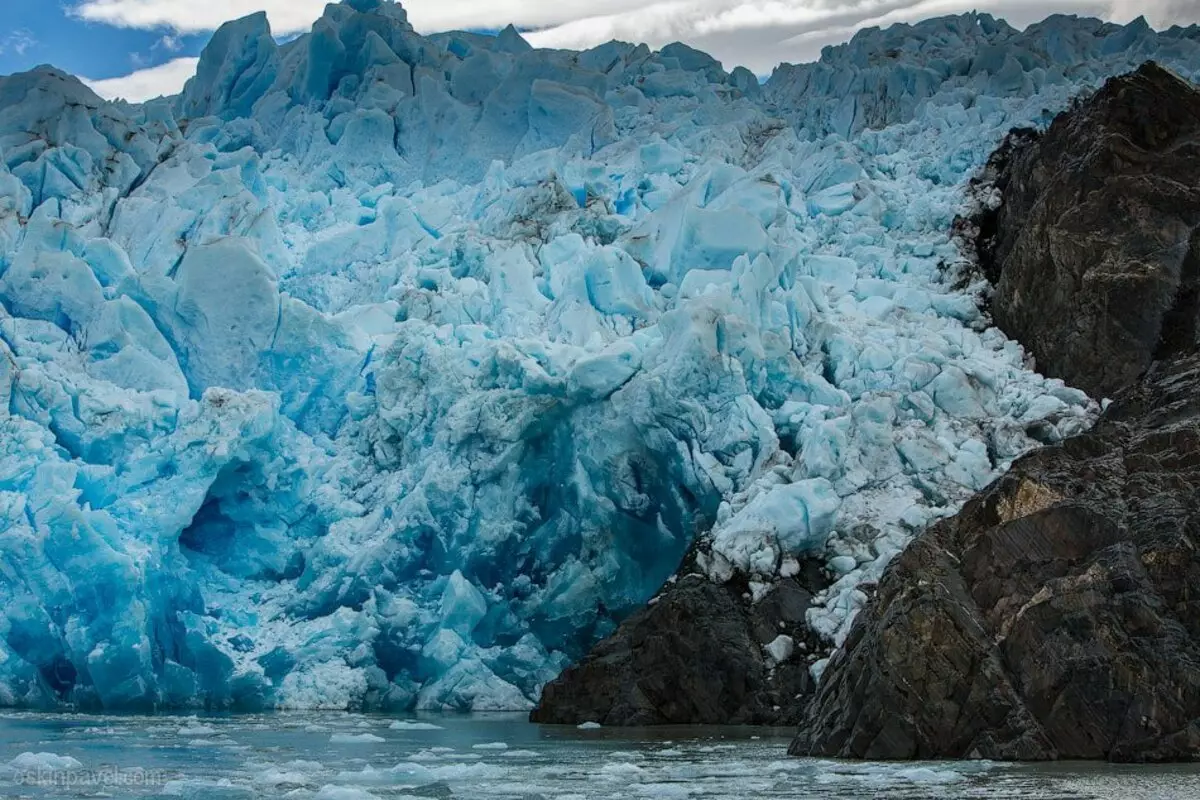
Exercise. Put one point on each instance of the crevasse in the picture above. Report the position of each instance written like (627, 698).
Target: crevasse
(384, 370)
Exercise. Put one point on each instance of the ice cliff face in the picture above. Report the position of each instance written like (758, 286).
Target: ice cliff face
(386, 370)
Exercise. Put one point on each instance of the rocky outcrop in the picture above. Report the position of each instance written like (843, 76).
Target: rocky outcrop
(1094, 248)
(1058, 614)
(700, 652)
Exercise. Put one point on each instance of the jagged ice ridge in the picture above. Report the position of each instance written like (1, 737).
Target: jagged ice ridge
(388, 371)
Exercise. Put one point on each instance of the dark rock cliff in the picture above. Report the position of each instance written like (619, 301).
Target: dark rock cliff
(1095, 247)
(1058, 614)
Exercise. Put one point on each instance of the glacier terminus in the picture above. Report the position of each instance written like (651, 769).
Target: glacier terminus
(381, 371)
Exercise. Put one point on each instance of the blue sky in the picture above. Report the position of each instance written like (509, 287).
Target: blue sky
(43, 31)
(140, 48)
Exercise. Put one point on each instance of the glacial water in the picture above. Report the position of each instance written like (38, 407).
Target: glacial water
(338, 756)
(388, 370)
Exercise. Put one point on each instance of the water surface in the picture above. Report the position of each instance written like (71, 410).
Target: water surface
(335, 756)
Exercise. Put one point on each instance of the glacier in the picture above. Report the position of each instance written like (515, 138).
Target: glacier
(387, 371)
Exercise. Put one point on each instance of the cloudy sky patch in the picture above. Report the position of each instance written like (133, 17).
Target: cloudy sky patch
(166, 35)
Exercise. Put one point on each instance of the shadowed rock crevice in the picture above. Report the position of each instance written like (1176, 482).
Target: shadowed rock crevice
(1179, 325)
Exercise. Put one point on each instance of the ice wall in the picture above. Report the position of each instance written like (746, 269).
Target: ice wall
(888, 76)
(382, 370)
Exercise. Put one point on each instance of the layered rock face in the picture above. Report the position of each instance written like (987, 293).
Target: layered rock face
(1104, 207)
(1057, 615)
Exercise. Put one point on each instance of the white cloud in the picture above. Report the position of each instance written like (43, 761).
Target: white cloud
(754, 33)
(146, 84)
(291, 16)
(760, 34)
(189, 16)
(1159, 13)
(19, 42)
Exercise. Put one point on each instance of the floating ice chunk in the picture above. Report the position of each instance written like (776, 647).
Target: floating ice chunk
(355, 738)
(44, 762)
(410, 725)
(667, 791)
(928, 775)
(276, 777)
(405, 772)
(620, 771)
(223, 789)
(589, 726)
(332, 791)
(467, 773)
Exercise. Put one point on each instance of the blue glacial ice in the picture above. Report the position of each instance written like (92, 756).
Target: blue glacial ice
(386, 371)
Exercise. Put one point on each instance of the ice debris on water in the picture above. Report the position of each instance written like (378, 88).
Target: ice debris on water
(355, 738)
(389, 371)
(43, 762)
(407, 725)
